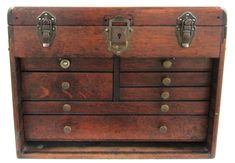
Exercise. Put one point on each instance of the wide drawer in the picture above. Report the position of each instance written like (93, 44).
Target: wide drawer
(157, 64)
(165, 93)
(75, 64)
(165, 79)
(115, 128)
(74, 107)
(67, 86)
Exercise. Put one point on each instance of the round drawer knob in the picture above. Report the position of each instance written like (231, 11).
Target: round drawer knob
(64, 63)
(67, 129)
(167, 64)
(66, 108)
(165, 108)
(165, 95)
(65, 85)
(166, 81)
(163, 129)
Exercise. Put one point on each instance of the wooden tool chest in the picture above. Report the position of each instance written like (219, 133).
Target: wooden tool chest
(116, 82)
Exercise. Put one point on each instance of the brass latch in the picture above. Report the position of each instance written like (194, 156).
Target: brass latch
(118, 34)
(46, 28)
(185, 29)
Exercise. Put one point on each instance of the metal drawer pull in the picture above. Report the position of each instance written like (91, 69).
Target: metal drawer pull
(66, 108)
(167, 64)
(165, 95)
(165, 108)
(65, 85)
(166, 81)
(64, 63)
(163, 129)
(67, 129)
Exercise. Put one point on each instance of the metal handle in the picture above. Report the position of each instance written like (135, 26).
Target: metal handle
(67, 129)
(163, 129)
(65, 63)
(165, 108)
(167, 64)
(65, 85)
(165, 95)
(67, 108)
(166, 81)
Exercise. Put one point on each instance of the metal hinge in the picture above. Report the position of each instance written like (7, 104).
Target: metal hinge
(46, 28)
(118, 34)
(185, 29)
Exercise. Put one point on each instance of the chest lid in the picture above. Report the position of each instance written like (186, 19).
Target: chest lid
(128, 32)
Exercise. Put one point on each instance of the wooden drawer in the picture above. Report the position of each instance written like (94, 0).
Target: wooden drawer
(70, 86)
(113, 128)
(175, 93)
(157, 64)
(76, 64)
(71, 107)
(165, 79)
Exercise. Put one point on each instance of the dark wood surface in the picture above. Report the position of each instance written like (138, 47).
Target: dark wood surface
(91, 41)
(83, 86)
(52, 107)
(98, 112)
(95, 16)
(155, 79)
(112, 128)
(156, 64)
(177, 93)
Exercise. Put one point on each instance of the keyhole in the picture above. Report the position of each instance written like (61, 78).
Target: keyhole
(119, 35)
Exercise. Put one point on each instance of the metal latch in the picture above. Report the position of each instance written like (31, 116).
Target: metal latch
(118, 34)
(185, 29)
(46, 28)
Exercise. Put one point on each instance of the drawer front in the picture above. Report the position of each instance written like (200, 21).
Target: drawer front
(164, 79)
(67, 86)
(115, 128)
(171, 93)
(157, 64)
(75, 64)
(71, 107)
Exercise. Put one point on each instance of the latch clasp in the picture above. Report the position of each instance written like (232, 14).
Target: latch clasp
(185, 29)
(46, 28)
(118, 34)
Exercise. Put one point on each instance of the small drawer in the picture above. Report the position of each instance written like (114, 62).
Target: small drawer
(67, 64)
(165, 64)
(67, 86)
(172, 93)
(165, 79)
(105, 108)
(115, 128)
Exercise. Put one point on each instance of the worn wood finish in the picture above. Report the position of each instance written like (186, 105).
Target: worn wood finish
(155, 79)
(76, 64)
(181, 108)
(112, 128)
(177, 93)
(116, 109)
(83, 86)
(145, 42)
(95, 16)
(156, 64)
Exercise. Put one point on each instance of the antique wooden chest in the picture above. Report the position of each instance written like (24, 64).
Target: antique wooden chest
(116, 82)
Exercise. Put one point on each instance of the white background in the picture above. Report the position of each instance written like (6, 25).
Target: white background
(226, 135)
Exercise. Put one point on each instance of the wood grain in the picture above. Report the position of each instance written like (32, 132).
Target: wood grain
(155, 79)
(156, 64)
(94, 108)
(95, 16)
(110, 128)
(83, 86)
(91, 41)
(177, 93)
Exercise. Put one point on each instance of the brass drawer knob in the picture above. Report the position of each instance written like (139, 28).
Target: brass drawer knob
(163, 129)
(165, 108)
(65, 85)
(166, 81)
(167, 64)
(65, 63)
(66, 108)
(165, 95)
(67, 129)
